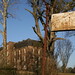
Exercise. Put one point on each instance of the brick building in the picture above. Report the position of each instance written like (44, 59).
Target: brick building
(24, 55)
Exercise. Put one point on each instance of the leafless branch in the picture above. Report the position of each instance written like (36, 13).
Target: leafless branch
(40, 36)
(30, 11)
(1, 32)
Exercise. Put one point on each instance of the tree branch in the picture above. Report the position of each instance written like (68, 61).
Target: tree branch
(1, 23)
(54, 3)
(1, 12)
(40, 36)
(1, 32)
(58, 39)
(30, 11)
(53, 40)
(68, 6)
(40, 16)
(11, 15)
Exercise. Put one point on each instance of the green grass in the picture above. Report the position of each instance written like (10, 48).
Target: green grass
(66, 73)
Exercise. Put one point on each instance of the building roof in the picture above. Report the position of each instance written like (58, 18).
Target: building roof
(28, 42)
(24, 43)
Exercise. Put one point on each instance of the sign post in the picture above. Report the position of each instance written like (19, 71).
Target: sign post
(45, 40)
(59, 22)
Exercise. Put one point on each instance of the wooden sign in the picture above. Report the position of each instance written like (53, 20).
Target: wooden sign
(63, 21)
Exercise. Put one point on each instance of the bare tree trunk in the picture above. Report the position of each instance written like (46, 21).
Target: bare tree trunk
(64, 68)
(4, 25)
(52, 46)
(5, 31)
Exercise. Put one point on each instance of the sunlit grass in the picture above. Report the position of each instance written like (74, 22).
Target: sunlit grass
(66, 73)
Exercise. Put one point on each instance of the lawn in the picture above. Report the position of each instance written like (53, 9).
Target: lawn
(66, 73)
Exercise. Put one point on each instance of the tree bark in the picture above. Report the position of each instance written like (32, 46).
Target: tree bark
(5, 30)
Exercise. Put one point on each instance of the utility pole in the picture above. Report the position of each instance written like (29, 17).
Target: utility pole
(45, 39)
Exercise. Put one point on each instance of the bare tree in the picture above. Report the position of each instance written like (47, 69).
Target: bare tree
(54, 6)
(64, 50)
(40, 7)
(4, 7)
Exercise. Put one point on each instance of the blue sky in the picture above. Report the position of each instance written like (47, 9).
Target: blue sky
(71, 60)
(20, 28)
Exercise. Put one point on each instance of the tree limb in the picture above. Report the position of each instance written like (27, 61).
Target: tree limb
(53, 40)
(54, 4)
(40, 36)
(11, 15)
(1, 12)
(69, 6)
(1, 23)
(40, 16)
(30, 11)
(1, 32)
(58, 39)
